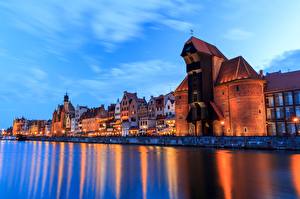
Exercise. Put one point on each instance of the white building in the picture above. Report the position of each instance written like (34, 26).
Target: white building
(118, 110)
(79, 110)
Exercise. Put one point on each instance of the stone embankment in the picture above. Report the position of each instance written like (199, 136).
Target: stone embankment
(268, 142)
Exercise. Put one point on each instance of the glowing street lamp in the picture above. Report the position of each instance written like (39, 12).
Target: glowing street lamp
(296, 121)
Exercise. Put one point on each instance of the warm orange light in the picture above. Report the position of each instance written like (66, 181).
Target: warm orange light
(295, 119)
(222, 122)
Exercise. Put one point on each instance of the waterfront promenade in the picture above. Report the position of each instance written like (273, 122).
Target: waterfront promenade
(266, 142)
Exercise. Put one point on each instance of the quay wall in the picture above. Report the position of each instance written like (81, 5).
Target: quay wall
(265, 142)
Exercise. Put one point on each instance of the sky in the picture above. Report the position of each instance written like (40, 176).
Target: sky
(97, 49)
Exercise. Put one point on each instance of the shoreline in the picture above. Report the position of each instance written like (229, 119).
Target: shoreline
(258, 143)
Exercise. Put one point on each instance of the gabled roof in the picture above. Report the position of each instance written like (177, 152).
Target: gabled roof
(282, 81)
(204, 47)
(183, 86)
(235, 69)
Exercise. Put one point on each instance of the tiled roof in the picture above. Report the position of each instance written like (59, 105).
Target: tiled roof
(235, 69)
(282, 81)
(183, 86)
(205, 47)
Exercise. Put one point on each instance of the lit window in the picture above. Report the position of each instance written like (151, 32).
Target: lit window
(270, 101)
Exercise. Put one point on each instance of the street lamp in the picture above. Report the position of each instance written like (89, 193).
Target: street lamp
(222, 122)
(296, 121)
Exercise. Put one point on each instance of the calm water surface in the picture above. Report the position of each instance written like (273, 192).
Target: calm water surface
(66, 170)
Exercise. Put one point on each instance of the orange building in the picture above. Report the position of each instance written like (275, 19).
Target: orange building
(218, 96)
(181, 108)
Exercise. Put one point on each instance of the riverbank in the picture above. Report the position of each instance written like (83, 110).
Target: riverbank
(268, 142)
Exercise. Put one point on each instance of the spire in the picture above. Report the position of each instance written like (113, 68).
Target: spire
(66, 97)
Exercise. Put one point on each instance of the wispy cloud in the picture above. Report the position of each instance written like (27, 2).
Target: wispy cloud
(238, 34)
(110, 22)
(141, 77)
(287, 61)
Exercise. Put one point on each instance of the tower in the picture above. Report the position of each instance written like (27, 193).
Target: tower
(203, 62)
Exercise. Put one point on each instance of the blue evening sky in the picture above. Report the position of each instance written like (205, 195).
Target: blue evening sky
(96, 49)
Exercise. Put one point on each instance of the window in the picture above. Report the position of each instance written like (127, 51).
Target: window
(168, 106)
(237, 88)
(278, 99)
(297, 97)
(279, 113)
(291, 128)
(297, 111)
(288, 98)
(270, 101)
(195, 96)
(270, 113)
(191, 59)
(271, 128)
(280, 128)
(289, 112)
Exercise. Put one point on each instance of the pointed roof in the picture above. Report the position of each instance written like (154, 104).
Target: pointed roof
(204, 47)
(183, 86)
(235, 69)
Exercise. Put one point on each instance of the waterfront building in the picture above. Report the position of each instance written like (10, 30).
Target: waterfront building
(61, 119)
(219, 92)
(92, 121)
(20, 126)
(169, 107)
(48, 128)
(129, 112)
(282, 96)
(181, 108)
(36, 127)
(146, 122)
(117, 126)
(79, 110)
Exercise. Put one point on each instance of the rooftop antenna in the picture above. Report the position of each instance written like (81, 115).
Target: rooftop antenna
(192, 32)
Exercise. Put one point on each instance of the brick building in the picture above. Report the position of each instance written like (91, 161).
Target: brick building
(62, 117)
(223, 96)
(181, 108)
(282, 96)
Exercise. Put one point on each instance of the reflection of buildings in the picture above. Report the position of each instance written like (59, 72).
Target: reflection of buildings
(283, 103)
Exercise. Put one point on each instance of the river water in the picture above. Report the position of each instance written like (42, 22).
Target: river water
(67, 170)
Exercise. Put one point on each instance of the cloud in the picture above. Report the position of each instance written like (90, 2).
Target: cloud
(95, 68)
(150, 77)
(287, 61)
(71, 23)
(237, 34)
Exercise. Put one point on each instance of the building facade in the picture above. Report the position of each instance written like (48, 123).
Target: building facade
(225, 96)
(282, 96)
(62, 117)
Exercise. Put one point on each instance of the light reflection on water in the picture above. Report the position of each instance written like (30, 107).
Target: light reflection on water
(67, 170)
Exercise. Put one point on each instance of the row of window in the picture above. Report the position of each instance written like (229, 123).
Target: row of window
(280, 99)
(282, 128)
(281, 113)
